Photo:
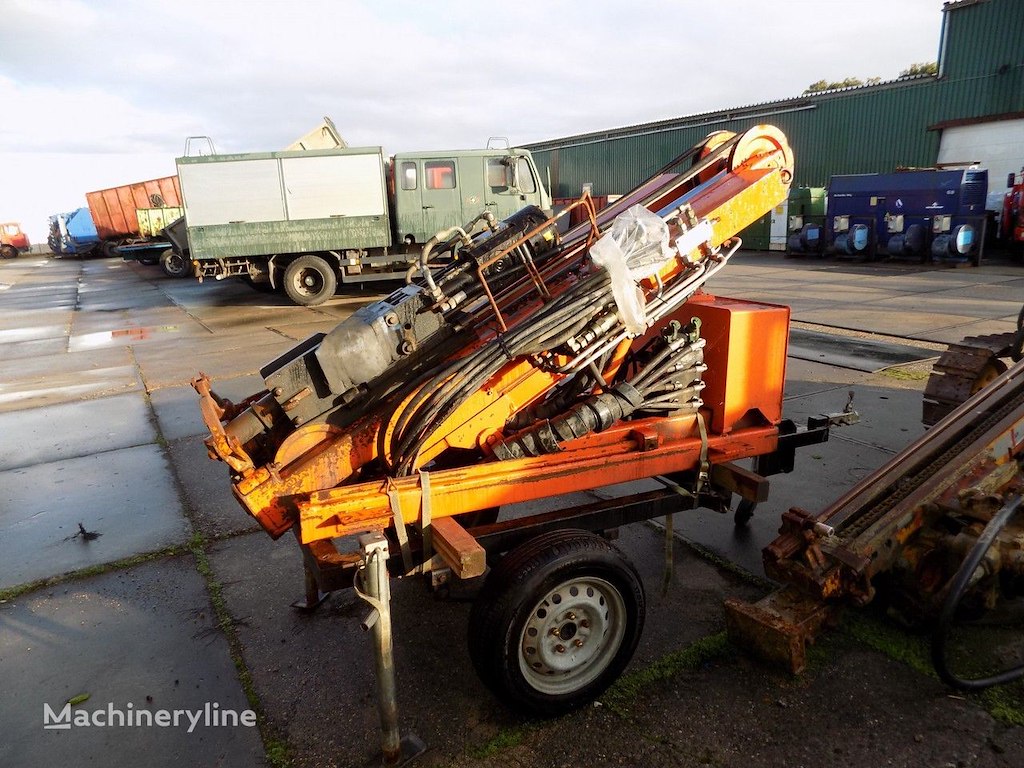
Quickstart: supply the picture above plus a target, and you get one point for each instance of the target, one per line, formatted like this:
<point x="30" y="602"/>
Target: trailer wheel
<point x="309" y="280"/>
<point x="556" y="622"/>
<point x="174" y="264"/>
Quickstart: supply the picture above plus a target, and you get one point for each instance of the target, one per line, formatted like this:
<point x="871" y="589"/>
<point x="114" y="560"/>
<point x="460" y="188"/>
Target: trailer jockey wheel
<point x="309" y="280"/>
<point x="556" y="622"/>
<point x="744" y="512"/>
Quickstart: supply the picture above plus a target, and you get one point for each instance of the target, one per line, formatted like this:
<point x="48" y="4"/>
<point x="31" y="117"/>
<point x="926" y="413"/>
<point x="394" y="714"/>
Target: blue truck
<point x="919" y="214"/>
<point x="73" y="233"/>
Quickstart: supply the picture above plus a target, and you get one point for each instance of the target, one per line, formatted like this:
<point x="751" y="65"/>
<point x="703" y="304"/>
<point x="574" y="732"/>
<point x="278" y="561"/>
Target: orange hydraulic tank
<point x="746" y="359"/>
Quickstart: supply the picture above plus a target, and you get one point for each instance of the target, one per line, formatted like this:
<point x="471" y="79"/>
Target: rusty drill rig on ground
<point x="940" y="526"/>
<point x="967" y="366"/>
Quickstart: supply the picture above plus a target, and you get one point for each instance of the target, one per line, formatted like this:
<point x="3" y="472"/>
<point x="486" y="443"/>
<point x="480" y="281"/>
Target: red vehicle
<point x="12" y="240"/>
<point x="1011" y="223"/>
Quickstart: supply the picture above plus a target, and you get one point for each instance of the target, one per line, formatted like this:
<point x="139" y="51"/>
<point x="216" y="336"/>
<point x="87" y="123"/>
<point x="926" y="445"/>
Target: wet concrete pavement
<point x="101" y="434"/>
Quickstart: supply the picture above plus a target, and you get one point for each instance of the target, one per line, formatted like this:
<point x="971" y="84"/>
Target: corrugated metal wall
<point x="860" y="130"/>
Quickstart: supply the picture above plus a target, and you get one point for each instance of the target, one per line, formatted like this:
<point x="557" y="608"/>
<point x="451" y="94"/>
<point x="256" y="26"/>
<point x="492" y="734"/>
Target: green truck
<point x="304" y="221"/>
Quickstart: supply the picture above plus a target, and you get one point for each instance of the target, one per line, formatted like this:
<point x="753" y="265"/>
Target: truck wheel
<point x="9" y="252"/>
<point x="109" y="249"/>
<point x="263" y="286"/>
<point x="309" y="280"/>
<point x="174" y="264"/>
<point x="556" y="622"/>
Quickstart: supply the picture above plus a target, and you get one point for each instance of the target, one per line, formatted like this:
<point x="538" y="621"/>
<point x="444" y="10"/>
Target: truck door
<point x="501" y="195"/>
<point x="440" y="196"/>
<point x="427" y="196"/>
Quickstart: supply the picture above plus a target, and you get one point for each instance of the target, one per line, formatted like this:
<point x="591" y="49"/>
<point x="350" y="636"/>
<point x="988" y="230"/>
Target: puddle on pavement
<point x="67" y="387"/>
<point x="119" y="336"/>
<point x="31" y="334"/>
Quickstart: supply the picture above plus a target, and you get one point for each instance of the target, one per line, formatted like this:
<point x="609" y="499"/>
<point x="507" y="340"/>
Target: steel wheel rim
<point x="572" y="635"/>
<point x="309" y="281"/>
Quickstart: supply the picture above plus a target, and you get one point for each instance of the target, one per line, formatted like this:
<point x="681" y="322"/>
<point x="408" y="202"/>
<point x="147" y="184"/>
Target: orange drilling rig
<point x="515" y="365"/>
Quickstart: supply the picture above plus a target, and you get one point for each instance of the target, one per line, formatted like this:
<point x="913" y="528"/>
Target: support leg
<point x="313" y="596"/>
<point x="373" y="585"/>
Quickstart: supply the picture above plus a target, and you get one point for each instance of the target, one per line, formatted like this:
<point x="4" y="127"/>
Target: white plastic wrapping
<point x="635" y="247"/>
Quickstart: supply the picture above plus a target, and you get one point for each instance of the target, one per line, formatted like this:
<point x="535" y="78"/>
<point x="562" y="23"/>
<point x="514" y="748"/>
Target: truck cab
<point x="12" y="240"/>
<point x="437" y="190"/>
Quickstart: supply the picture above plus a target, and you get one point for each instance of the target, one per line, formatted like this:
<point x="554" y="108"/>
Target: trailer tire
<point x="309" y="280"/>
<point x="174" y="264"/>
<point x="556" y="622"/>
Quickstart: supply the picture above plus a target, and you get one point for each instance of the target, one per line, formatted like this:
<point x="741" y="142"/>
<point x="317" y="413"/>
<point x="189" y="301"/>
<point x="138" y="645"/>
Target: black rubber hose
<point x="961" y="581"/>
<point x="437" y="397"/>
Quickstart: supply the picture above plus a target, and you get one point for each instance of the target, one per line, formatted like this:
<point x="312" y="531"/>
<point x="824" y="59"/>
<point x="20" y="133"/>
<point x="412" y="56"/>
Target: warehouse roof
<point x="765" y="108"/>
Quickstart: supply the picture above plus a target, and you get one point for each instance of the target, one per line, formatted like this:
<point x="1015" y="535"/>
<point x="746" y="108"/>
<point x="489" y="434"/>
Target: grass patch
<point x="897" y="644"/>
<point x="694" y="656"/>
<point x="277" y="753"/>
<point x="627" y="688"/>
<point x="901" y="374"/>
<point x="10" y="593"/>
<point x="1005" y="702"/>
<point x="275" y="748"/>
<point x="506" y="738"/>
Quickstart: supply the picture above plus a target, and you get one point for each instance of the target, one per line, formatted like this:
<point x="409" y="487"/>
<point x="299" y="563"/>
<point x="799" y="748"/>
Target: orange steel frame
<point x="628" y="451"/>
<point x="745" y="379"/>
<point x="314" y="479"/>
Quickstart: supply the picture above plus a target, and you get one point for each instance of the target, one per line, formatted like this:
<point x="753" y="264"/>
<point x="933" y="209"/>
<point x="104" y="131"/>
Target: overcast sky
<point x="98" y="93"/>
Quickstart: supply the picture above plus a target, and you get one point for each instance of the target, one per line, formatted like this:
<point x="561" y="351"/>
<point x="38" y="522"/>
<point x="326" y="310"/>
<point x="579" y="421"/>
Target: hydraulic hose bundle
<point x="568" y="333"/>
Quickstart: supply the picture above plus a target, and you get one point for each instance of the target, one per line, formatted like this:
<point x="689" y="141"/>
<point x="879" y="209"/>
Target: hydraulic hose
<point x="445" y="392"/>
<point x="961" y="581"/>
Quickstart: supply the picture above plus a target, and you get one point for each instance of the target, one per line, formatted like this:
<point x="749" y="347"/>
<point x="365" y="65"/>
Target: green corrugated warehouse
<point x="971" y="111"/>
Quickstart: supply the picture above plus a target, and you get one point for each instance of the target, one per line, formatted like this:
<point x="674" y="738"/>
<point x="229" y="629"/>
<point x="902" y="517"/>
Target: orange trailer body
<point x="113" y="210"/>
